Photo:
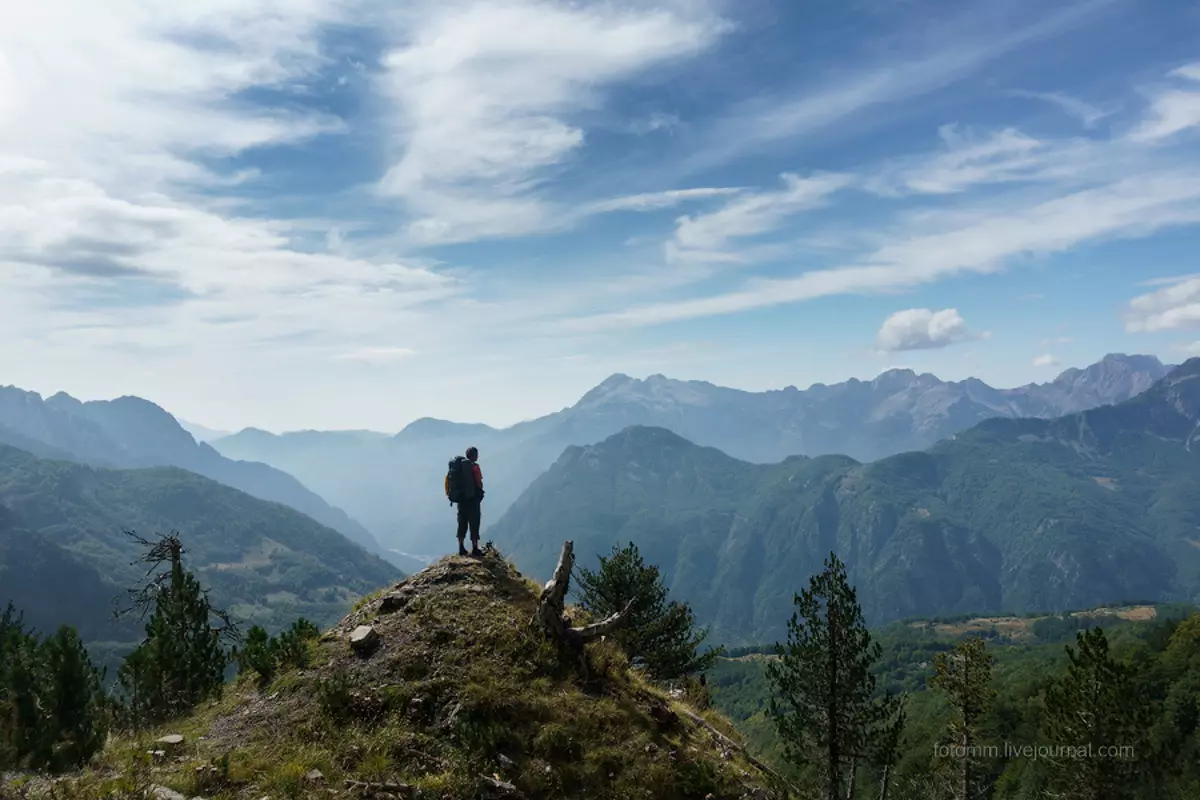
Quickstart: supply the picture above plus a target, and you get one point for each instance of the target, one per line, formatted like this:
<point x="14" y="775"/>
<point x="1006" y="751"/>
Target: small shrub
<point x="334" y="695"/>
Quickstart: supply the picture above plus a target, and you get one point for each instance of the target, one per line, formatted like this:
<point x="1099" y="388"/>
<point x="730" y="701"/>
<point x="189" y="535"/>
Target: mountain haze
<point x="130" y="432"/>
<point x="1011" y="515"/>
<point x="394" y="484"/>
<point x="64" y="556"/>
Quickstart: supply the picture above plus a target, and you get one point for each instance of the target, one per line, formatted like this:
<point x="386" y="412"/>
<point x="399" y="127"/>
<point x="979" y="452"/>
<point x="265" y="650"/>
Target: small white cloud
<point x="923" y="329"/>
<point x="1172" y="111"/>
<point x="1190" y="349"/>
<point x="654" y="201"/>
<point x="1088" y="114"/>
<point x="1059" y="340"/>
<point x="655" y="122"/>
<point x="377" y="354"/>
<point x="1189" y="71"/>
<point x="1046" y="360"/>
<point x="753" y="214"/>
<point x="1170" y="280"/>
<point x="1176" y="306"/>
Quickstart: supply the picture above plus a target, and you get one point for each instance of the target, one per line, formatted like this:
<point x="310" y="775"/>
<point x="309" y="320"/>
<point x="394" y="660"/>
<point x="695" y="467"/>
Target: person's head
<point x="473" y="453"/>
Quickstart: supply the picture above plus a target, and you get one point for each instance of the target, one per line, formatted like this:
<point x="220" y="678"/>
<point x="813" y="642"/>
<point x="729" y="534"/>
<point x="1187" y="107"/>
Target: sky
<point x="329" y="214"/>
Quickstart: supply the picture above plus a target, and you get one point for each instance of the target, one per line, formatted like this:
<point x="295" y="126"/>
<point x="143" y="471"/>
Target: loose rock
<point x="171" y="741"/>
<point x="364" y="639"/>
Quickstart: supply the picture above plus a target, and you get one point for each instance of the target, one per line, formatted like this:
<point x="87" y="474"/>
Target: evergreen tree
<point x="53" y="710"/>
<point x="74" y="700"/>
<point x="965" y="675"/>
<point x="662" y="634"/>
<point x="887" y="746"/>
<point x="823" y="702"/>
<point x="265" y="655"/>
<point x="1090" y="710"/>
<point x="182" y="660"/>
<point x="20" y="720"/>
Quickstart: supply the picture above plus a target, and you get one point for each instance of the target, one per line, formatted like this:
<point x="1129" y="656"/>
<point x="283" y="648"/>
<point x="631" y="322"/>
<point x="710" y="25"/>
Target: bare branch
<point x="551" y="614"/>
<point x="594" y="631"/>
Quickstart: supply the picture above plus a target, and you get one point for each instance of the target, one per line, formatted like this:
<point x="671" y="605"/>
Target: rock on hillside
<point x="439" y="687"/>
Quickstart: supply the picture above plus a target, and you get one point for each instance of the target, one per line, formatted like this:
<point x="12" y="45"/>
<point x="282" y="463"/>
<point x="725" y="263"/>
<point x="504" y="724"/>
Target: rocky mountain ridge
<point x="393" y="485"/>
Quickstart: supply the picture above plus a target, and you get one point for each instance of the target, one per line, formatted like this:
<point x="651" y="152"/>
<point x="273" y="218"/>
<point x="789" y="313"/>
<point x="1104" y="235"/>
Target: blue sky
<point x="352" y="213"/>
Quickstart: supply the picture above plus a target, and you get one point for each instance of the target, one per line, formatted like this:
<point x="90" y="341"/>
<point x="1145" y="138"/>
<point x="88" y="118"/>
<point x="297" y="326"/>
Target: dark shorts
<point x="468" y="517"/>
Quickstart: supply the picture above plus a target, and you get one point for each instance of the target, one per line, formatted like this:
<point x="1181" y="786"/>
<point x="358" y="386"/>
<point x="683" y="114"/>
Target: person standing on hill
<point x="464" y="487"/>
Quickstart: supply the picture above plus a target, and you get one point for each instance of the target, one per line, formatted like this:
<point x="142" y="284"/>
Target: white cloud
<point x="966" y="161"/>
<point x="1059" y="340"/>
<point x="1086" y="113"/>
<point x="966" y="42"/>
<point x="378" y="354"/>
<point x="982" y="241"/>
<point x="485" y="94"/>
<point x="655" y="122"/>
<point x="1046" y="360"/>
<point x="1190" y="349"/>
<point x="1174" y="307"/>
<point x="655" y="201"/>
<point x="1174" y="110"/>
<point x="922" y="329"/>
<point x="701" y="237"/>
<point x="1169" y="280"/>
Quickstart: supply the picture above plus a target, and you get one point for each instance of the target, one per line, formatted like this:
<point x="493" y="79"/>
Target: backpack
<point x="460" y="480"/>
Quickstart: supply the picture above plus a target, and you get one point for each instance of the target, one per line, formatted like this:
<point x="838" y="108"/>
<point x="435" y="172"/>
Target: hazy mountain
<point x="130" y="432"/>
<point x="1014" y="514"/>
<point x="64" y="556"/>
<point x="393" y="485"/>
<point x="201" y="433"/>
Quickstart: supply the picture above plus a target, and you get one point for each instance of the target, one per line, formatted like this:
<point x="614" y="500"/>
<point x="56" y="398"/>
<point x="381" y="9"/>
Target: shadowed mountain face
<point x="64" y="556"/>
<point x="1014" y="514"/>
<point x="394" y="485"/>
<point x="130" y="432"/>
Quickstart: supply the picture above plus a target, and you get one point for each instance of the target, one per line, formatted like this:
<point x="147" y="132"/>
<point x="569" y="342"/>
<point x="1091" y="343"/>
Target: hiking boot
<point x="475" y="551"/>
<point x="462" y="551"/>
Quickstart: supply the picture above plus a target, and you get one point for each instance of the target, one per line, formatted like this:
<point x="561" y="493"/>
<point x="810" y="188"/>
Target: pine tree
<point x="20" y="719"/>
<point x="661" y="634"/>
<point x="824" y="703"/>
<point x="74" y="700"/>
<point x="53" y="710"/>
<point x="965" y="675"/>
<point x="1094" y="707"/>
<point x="887" y="745"/>
<point x="182" y="660"/>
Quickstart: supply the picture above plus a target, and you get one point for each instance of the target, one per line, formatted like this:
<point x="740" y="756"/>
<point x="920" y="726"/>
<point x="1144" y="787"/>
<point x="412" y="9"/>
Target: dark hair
<point x="472" y="452"/>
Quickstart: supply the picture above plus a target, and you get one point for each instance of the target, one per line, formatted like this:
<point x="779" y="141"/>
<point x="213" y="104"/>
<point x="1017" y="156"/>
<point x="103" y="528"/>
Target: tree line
<point x="1097" y="738"/>
<point x="55" y="708"/>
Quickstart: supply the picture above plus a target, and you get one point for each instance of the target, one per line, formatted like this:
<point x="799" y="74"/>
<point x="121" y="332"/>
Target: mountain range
<point x="64" y="555"/>
<point x="1010" y="515"/>
<point x="393" y="484"/>
<point x="130" y="432"/>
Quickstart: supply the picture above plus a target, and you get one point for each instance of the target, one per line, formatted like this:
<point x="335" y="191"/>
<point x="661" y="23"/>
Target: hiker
<point x="464" y="487"/>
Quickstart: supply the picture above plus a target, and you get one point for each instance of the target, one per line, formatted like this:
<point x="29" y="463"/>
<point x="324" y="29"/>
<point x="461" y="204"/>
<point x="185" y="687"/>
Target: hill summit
<point x="443" y="686"/>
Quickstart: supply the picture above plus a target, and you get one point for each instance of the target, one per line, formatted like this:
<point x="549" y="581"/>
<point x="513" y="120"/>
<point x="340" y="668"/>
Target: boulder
<point x="170" y="742"/>
<point x="364" y="639"/>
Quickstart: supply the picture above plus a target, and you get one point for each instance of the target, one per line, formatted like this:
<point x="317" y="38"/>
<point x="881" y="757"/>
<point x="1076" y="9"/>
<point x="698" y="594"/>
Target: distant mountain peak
<point x="63" y="400"/>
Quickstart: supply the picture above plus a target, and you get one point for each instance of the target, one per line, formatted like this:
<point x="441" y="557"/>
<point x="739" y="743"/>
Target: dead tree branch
<point x="551" y="614"/>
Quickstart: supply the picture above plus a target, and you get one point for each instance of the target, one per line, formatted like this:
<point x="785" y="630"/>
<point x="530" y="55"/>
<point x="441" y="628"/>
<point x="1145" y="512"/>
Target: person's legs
<point x="476" y="513"/>
<point x="464" y="519"/>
